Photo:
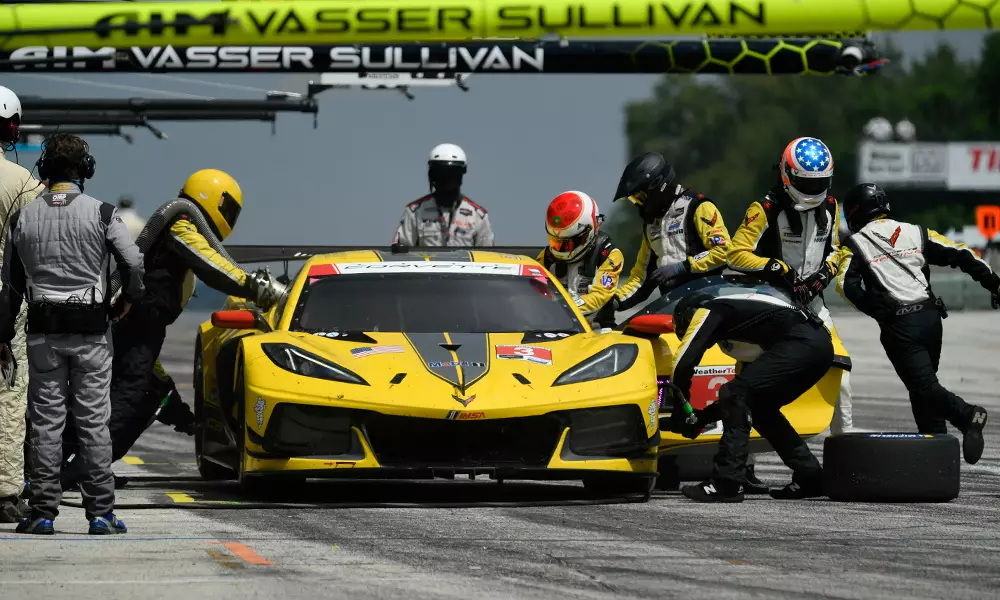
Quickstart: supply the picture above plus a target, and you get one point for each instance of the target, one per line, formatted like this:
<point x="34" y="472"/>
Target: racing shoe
<point x="972" y="437"/>
<point x="799" y="491"/>
<point x="714" y="491"/>
<point x="12" y="509"/>
<point x="753" y="483"/>
<point x="107" y="525"/>
<point x="36" y="524"/>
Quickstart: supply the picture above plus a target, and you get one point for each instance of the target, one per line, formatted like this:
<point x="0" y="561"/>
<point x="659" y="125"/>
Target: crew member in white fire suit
<point x="583" y="258"/>
<point x="445" y="217"/>
<point x="17" y="189"/>
<point x="792" y="237"/>
<point x="884" y="273"/>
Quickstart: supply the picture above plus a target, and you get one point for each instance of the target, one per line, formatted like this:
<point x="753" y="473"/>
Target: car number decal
<point x="534" y="354"/>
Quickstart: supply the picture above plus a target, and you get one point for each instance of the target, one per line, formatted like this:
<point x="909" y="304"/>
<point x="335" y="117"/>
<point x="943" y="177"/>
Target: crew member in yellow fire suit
<point x="583" y="259"/>
<point x="683" y="235"/>
<point x="791" y="237"/>
<point x="188" y="242"/>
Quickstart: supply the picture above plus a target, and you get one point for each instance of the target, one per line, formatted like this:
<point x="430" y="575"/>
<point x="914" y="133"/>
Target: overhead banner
<point x="307" y="22"/>
<point x="903" y="165"/>
<point x="974" y="166"/>
<point x="760" y="57"/>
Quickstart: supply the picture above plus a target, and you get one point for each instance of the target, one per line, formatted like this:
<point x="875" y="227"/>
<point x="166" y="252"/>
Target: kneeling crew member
<point x="187" y="243"/>
<point x="683" y="234"/>
<point x="884" y="273"/>
<point x="582" y="257"/>
<point x="57" y="258"/>
<point x="796" y="351"/>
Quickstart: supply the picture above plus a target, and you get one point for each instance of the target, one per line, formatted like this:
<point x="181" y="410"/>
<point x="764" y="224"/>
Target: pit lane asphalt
<point x="667" y="548"/>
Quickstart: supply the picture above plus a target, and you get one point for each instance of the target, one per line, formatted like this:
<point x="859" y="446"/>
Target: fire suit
<point x="424" y="223"/>
<point x="692" y="232"/>
<point x="591" y="280"/>
<point x="58" y="253"/>
<point x="17" y="189"/>
<point x="884" y="273"/>
<point x="795" y="352"/>
<point x="775" y="240"/>
<point x="138" y="338"/>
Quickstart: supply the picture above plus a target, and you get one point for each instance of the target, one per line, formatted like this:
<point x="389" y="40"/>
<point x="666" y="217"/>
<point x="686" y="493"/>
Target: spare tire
<point x="891" y="467"/>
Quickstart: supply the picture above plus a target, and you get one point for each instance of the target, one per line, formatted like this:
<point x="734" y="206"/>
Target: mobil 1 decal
<point x="461" y="359"/>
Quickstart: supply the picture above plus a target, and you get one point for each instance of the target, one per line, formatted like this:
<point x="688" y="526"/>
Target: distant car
<point x="408" y="366"/>
<point x="683" y="459"/>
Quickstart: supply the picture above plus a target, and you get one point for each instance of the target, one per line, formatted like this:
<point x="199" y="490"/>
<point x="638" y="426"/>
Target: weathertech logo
<point x="891" y="240"/>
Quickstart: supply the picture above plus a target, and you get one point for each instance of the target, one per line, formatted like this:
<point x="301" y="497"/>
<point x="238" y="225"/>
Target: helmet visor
<point x="567" y="245"/>
<point x="229" y="208"/>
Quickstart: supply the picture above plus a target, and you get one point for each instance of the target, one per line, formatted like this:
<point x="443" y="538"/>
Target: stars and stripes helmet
<point x="571" y="222"/>
<point x="806" y="172"/>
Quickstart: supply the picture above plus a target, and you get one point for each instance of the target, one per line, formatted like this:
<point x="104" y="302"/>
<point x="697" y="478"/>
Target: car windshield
<point x="433" y="303"/>
<point x="716" y="285"/>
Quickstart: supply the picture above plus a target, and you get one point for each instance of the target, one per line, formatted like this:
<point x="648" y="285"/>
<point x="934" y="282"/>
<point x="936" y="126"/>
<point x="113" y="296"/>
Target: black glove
<point x="667" y="272"/>
<point x="995" y="294"/>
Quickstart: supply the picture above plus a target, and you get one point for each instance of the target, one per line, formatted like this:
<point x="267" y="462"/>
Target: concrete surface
<point x="666" y="548"/>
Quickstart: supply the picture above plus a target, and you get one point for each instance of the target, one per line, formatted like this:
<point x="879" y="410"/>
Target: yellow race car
<point x="397" y="364"/>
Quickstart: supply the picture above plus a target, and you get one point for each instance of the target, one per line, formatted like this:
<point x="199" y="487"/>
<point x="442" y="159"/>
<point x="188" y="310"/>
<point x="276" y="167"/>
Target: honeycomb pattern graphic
<point x="740" y="56"/>
<point x="880" y="15"/>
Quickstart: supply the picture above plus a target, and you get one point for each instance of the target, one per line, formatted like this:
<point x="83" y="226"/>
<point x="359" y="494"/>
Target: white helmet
<point x="806" y="172"/>
<point x="571" y="222"/>
<point x="447" y="153"/>
<point x="10" y="116"/>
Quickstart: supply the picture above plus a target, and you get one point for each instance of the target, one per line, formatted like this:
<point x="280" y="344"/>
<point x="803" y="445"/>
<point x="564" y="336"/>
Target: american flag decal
<point x="370" y="350"/>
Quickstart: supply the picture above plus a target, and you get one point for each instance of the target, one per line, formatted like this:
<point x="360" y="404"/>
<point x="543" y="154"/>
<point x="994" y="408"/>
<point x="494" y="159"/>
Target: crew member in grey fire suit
<point x="884" y="273"/>
<point x="57" y="259"/>
<point x="17" y="189"/>
<point x="445" y="217"/>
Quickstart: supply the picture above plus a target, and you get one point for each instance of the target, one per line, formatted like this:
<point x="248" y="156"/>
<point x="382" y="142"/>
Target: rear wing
<point x="249" y="254"/>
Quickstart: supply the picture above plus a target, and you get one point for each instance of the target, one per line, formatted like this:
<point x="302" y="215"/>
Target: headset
<point x="85" y="168"/>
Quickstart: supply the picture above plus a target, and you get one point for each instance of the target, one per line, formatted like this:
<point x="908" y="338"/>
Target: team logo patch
<point x="891" y="240"/>
<point x="465" y="211"/>
<point x="776" y="267"/>
<point x="608" y="281"/>
<point x="533" y="354"/>
<point x="718" y="240"/>
<point x="715" y="217"/>
<point x="752" y="218"/>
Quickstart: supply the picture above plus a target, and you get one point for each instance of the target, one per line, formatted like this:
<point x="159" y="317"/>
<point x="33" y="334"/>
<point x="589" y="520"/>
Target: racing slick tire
<point x="621" y="485"/>
<point x="891" y="467"/>
<point x="209" y="470"/>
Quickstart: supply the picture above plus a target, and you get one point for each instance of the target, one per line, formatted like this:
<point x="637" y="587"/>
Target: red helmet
<point x="571" y="222"/>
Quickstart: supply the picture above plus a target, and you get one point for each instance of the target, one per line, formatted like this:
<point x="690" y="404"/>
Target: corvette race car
<point x="382" y="364"/>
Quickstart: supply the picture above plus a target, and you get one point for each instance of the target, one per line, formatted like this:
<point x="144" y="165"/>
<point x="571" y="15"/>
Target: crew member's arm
<point x="714" y="237"/>
<point x="127" y="255"/>
<point x="699" y="337"/>
<point x="406" y="231"/>
<point x="13" y="281"/>
<point x="742" y="250"/>
<point x="943" y="252"/>
<point x="208" y="265"/>
<point x="850" y="281"/>
<point x="633" y="291"/>
<point x="602" y="288"/>
<point x="484" y="235"/>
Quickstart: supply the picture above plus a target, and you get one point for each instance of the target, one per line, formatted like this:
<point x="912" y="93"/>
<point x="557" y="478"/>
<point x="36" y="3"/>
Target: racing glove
<point x="664" y="274"/>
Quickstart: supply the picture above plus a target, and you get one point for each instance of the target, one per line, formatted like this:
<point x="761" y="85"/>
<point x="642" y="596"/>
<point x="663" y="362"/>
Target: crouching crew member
<point x="683" y="234"/>
<point x="796" y="350"/>
<point x="583" y="258"/>
<point x="57" y="257"/>
<point x="884" y="273"/>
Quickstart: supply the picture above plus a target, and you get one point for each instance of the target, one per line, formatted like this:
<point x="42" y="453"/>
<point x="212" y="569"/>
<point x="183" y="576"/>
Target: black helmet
<point x="650" y="174"/>
<point x="863" y="203"/>
<point x="684" y="310"/>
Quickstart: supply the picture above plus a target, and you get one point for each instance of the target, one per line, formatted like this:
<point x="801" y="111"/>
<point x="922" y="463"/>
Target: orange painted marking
<point x="246" y="553"/>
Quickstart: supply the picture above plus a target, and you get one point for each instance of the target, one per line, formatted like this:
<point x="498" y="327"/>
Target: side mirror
<point x="239" y="319"/>
<point x="651" y="325"/>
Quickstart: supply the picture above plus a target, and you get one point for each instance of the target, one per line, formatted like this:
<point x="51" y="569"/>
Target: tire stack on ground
<point x="891" y="467"/>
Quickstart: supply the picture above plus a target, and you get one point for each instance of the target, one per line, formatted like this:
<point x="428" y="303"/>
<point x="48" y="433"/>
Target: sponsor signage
<point x="974" y="166"/>
<point x="899" y="164"/>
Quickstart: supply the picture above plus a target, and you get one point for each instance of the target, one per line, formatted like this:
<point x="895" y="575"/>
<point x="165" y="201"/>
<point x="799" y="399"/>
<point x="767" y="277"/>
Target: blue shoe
<point x="35" y="524"/>
<point x="106" y="525"/>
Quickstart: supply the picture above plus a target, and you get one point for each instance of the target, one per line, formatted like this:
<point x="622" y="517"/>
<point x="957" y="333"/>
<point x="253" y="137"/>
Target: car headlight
<point x="304" y="363"/>
<point x="605" y="363"/>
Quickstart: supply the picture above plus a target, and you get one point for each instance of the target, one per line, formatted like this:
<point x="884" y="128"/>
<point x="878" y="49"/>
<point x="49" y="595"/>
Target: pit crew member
<point x="683" y="234"/>
<point x="17" y="189"/>
<point x="583" y="258"/>
<point x="791" y="237"/>
<point x="185" y="242"/>
<point x="444" y="217"/>
<point x="884" y="273"/>
<point x="58" y="250"/>
<point x="796" y="350"/>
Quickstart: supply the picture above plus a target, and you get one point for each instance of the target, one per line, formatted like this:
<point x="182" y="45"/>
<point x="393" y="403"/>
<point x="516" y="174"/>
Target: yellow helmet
<point x="219" y="196"/>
